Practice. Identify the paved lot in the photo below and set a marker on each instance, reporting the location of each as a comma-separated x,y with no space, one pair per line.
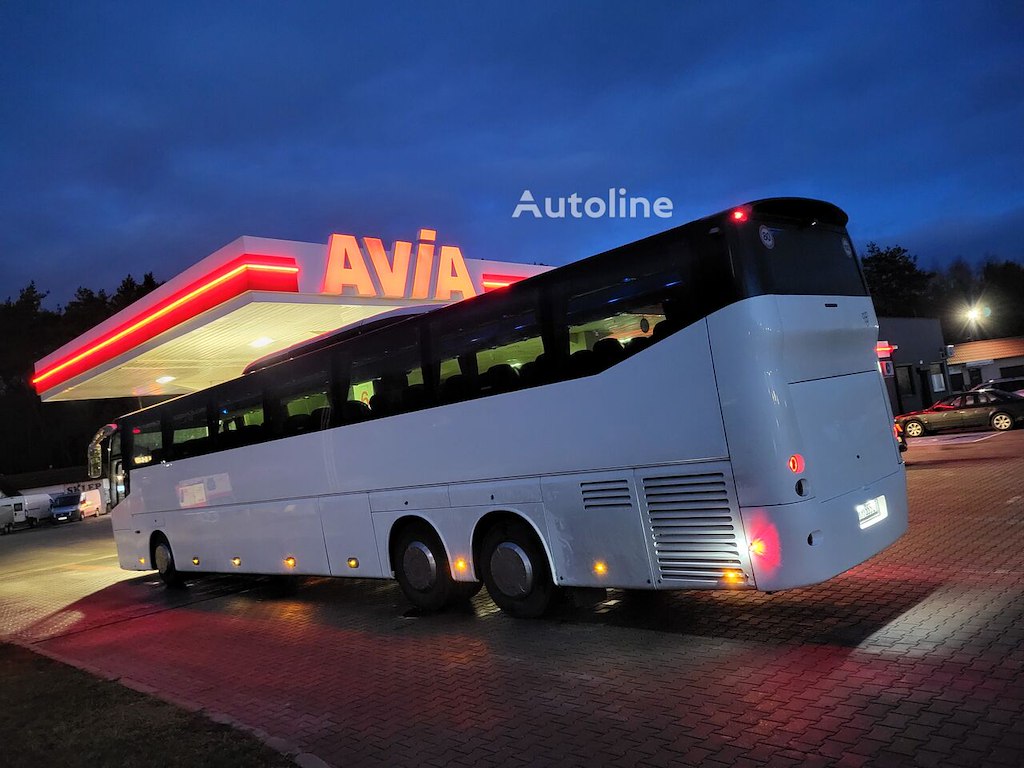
916,657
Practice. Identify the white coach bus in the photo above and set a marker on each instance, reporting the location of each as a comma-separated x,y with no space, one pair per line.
701,409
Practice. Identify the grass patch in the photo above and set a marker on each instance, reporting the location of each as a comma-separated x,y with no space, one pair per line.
53,714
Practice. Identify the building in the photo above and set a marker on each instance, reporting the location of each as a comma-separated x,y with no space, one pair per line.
253,297
977,361
912,354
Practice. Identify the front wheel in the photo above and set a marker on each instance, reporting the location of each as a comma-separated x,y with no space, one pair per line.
516,571
1002,421
163,559
913,429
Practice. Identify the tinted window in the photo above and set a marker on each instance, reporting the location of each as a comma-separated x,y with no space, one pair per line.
240,412
302,402
784,258
386,373
190,432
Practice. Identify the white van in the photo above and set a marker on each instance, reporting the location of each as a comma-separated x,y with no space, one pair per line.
26,510
92,503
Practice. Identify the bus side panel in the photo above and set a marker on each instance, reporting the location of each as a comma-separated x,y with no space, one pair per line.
348,533
262,535
594,529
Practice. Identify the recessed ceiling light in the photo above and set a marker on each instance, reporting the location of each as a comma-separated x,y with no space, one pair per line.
165,380
262,341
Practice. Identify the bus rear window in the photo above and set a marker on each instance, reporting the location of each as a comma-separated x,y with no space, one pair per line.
785,258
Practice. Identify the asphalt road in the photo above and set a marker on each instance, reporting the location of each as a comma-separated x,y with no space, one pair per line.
915,657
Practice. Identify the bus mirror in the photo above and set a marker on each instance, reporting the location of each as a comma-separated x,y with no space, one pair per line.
95,460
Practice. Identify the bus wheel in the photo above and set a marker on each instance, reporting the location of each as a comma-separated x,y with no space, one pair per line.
1002,421
421,568
515,570
163,559
914,428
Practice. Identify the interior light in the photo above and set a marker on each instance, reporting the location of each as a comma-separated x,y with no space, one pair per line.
290,562
353,562
195,561
461,564
796,464
262,341
236,561
165,380
600,567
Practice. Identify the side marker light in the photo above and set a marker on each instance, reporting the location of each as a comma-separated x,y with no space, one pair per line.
600,567
290,562
195,561
353,562
796,463
461,565
236,561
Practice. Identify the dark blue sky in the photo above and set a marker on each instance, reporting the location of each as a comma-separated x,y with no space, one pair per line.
144,136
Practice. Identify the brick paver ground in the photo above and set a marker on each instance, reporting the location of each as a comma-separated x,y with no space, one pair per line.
914,658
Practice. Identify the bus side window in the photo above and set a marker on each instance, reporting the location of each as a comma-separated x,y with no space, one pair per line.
303,404
478,353
190,433
240,414
147,443
386,374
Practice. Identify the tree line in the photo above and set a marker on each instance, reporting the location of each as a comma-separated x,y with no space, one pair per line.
37,435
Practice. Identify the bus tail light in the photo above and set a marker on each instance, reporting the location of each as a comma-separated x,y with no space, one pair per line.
796,464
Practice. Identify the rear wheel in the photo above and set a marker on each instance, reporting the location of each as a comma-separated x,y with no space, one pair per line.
163,559
421,568
913,429
1002,421
516,571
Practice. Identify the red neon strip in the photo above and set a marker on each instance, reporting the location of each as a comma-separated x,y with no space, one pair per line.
246,273
496,282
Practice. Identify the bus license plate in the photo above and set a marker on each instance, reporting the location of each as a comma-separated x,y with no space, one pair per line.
872,511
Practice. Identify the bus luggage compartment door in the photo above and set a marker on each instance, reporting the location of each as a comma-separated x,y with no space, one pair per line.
846,432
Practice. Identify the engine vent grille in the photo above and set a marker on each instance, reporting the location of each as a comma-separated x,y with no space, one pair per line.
693,527
607,496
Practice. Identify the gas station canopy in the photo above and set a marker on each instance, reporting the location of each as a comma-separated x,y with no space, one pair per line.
253,297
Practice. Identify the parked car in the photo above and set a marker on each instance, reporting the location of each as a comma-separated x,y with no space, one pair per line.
6,517
983,408
65,507
1013,384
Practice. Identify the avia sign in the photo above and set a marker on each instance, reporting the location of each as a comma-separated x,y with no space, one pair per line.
349,271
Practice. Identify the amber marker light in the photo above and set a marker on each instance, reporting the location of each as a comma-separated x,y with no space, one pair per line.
195,561
758,547
236,561
290,562
142,561
600,567
461,565
733,576
353,562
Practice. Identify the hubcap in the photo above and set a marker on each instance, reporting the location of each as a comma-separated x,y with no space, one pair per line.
419,566
1001,422
914,430
511,569
162,556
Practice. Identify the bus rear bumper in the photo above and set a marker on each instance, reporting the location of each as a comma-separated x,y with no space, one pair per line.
794,545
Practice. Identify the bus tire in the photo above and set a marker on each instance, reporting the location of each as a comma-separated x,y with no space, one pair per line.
913,428
421,568
516,571
1002,421
464,591
163,559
